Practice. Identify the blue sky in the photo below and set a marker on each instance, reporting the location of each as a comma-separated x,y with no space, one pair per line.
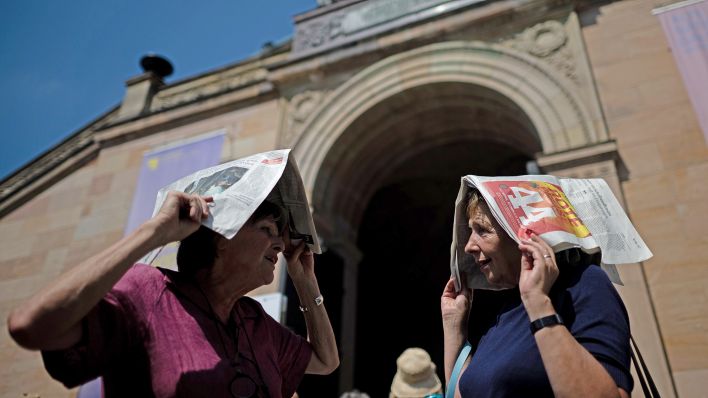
64,63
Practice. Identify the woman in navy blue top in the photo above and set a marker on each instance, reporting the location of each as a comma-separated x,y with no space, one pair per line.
580,348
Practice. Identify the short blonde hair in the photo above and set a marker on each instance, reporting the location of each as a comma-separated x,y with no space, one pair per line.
474,201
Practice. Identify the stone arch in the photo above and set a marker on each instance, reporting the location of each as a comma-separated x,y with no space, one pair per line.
546,96
483,101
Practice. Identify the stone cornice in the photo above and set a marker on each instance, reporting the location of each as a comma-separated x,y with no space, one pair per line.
213,84
184,114
577,156
424,32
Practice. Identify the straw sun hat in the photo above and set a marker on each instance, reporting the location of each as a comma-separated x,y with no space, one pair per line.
415,377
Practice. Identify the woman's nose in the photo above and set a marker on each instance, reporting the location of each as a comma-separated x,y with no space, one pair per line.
471,247
278,243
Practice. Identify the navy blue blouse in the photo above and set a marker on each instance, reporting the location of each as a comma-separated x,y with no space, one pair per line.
506,361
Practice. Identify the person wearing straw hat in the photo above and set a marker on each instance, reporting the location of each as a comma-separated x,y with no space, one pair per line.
562,330
192,333
415,376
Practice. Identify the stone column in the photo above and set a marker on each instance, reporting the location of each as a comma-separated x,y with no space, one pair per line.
351,256
603,161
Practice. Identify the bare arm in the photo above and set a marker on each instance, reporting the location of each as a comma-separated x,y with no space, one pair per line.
455,308
51,319
571,369
325,358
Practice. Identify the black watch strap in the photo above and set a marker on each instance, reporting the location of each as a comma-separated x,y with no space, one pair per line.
541,323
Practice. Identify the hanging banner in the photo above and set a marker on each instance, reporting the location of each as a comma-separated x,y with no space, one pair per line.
686,27
163,166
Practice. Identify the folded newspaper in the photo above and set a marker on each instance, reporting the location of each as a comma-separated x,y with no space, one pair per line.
240,186
564,212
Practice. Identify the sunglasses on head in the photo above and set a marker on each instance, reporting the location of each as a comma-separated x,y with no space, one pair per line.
295,236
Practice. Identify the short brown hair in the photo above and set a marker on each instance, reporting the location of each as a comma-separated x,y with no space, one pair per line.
474,200
200,249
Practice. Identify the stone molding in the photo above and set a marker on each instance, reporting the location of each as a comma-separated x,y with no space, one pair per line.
241,76
185,114
208,87
592,160
548,97
358,21
297,111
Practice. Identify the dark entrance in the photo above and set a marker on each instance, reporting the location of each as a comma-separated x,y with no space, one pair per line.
405,238
329,270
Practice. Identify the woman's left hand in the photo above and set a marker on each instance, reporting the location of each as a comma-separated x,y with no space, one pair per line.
301,268
301,261
538,269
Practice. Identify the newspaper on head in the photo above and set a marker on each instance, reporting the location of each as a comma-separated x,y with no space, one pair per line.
564,212
240,186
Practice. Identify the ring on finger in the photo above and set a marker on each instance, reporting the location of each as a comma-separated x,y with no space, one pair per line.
546,256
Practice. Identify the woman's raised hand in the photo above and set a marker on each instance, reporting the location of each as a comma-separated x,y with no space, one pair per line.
301,260
538,271
455,306
180,216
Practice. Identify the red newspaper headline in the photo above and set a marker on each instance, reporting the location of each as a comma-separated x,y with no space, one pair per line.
536,205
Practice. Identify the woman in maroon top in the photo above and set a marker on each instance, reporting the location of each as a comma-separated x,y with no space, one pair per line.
152,332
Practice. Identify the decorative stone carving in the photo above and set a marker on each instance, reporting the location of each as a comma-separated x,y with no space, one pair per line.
563,61
205,87
543,39
548,40
303,104
356,21
299,109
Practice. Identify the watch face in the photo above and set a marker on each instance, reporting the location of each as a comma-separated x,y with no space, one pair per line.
541,323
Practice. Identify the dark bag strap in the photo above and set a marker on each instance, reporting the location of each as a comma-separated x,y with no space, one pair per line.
645,379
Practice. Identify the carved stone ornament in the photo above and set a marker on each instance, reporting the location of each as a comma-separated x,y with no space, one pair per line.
300,108
549,41
544,38
303,104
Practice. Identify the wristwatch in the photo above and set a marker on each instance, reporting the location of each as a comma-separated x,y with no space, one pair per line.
318,302
541,323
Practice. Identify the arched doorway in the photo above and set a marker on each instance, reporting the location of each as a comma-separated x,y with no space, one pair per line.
404,237
388,186
356,151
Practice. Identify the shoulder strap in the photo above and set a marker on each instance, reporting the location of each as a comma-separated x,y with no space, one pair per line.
645,379
464,353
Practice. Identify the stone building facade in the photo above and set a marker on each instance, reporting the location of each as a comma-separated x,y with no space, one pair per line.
386,103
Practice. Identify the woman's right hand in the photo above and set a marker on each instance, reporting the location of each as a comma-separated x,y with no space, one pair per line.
455,306
181,215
